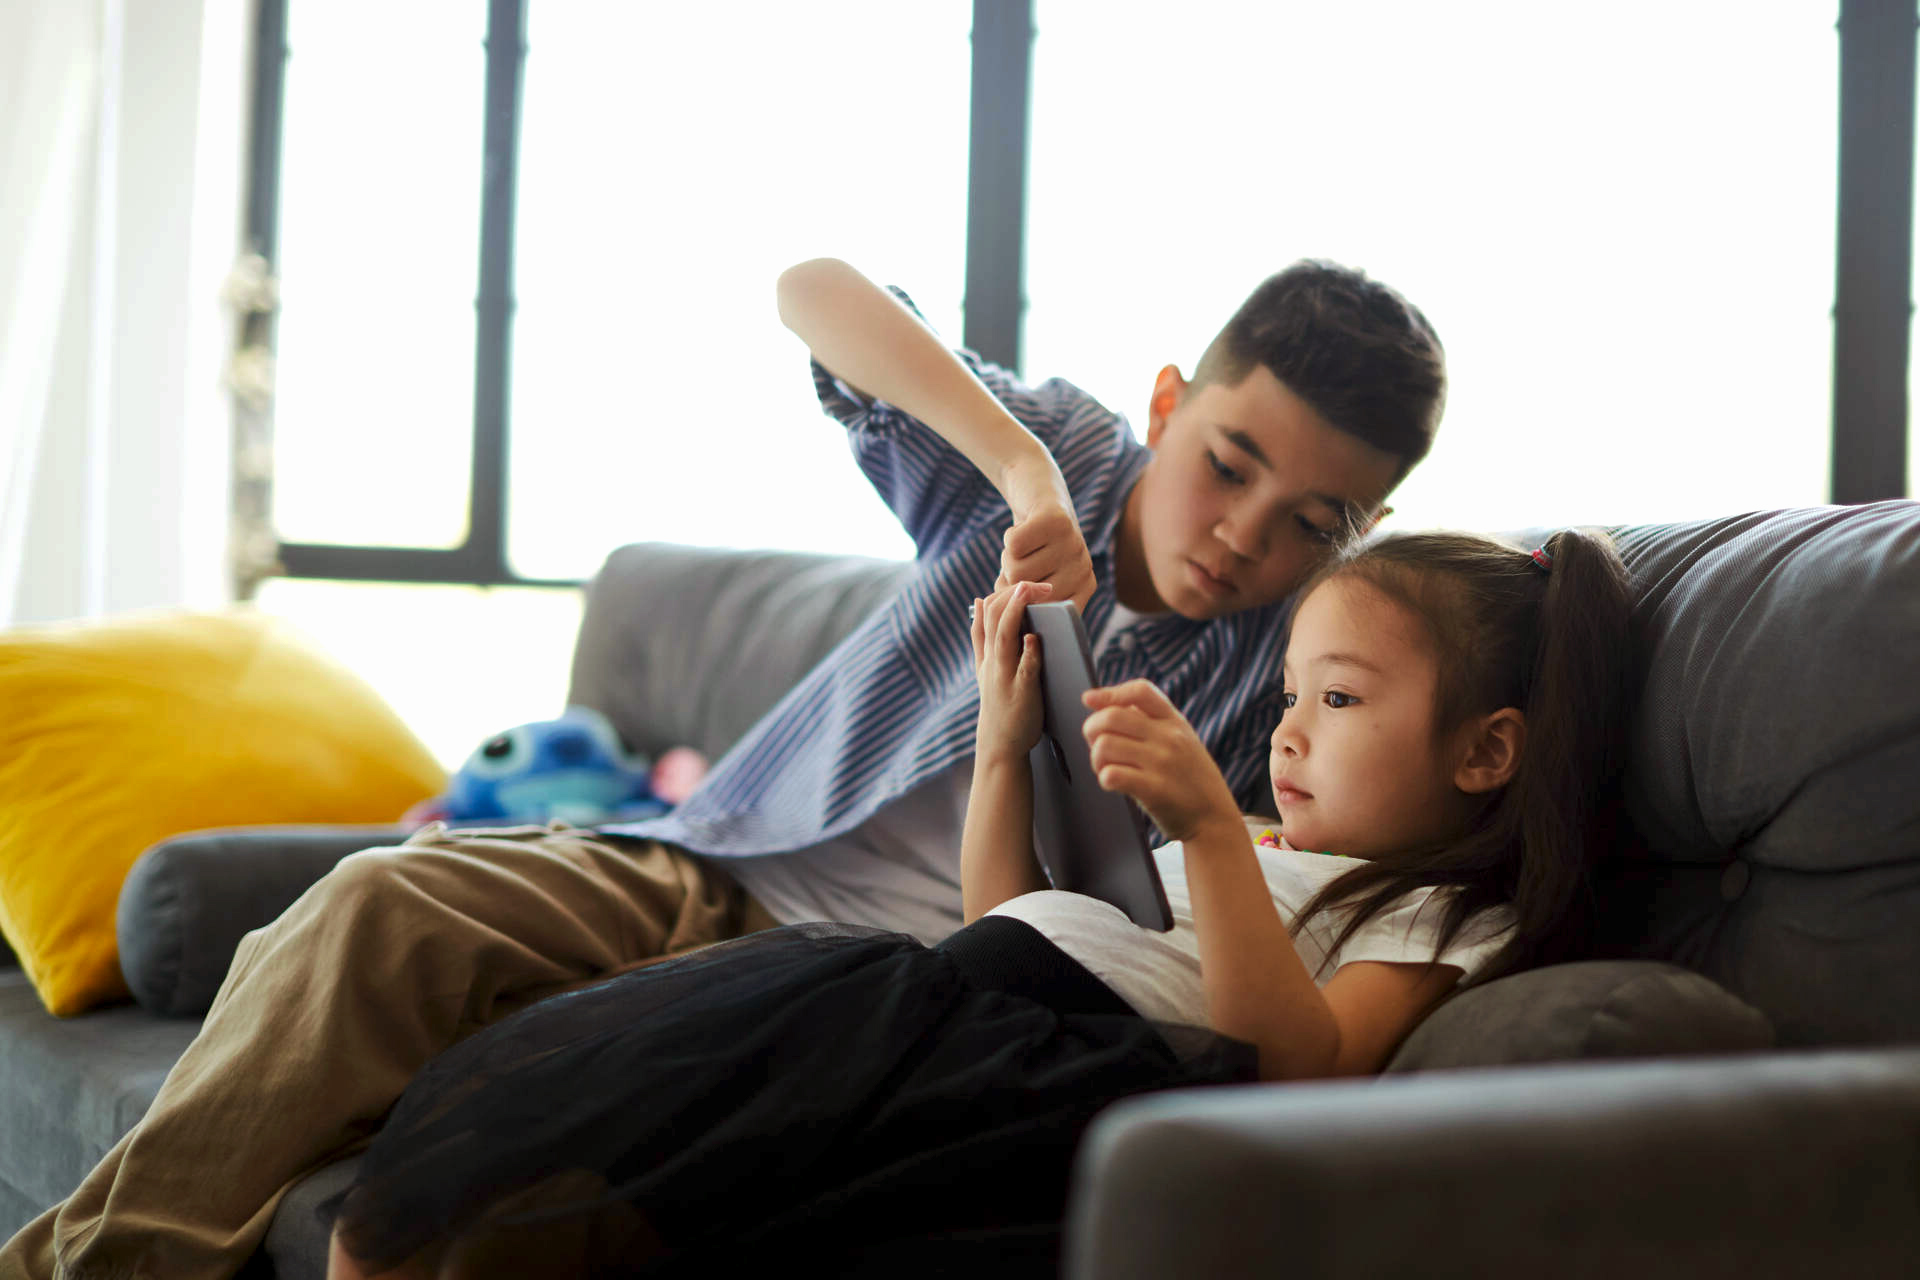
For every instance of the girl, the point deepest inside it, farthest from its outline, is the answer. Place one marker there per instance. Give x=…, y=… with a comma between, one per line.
x=854, y=1101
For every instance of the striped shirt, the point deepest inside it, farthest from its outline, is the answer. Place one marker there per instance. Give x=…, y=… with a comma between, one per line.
x=895, y=703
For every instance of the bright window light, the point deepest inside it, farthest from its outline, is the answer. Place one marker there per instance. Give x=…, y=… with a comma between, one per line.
x=674, y=159
x=378, y=262
x=1619, y=219
x=458, y=664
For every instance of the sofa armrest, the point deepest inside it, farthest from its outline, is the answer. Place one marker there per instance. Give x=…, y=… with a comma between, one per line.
x=189, y=900
x=688, y=646
x=1770, y=1164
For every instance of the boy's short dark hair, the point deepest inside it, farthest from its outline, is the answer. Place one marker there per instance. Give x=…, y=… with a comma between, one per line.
x=1359, y=353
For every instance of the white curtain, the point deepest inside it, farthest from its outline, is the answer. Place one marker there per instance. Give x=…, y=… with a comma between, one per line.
x=50, y=56
x=122, y=145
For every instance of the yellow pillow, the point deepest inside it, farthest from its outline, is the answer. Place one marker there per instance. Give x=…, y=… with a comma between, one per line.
x=118, y=733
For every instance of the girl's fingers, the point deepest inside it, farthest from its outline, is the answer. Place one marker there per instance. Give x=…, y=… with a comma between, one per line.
x=1029, y=669
x=1125, y=777
x=1139, y=693
x=1012, y=614
x=1107, y=753
x=1115, y=722
x=997, y=622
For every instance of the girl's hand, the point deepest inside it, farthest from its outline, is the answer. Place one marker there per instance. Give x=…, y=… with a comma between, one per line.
x=1007, y=665
x=1145, y=749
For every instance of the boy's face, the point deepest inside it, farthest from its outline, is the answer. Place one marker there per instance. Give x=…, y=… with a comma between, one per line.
x=1247, y=489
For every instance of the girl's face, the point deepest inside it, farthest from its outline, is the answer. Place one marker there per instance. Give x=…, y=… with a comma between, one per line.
x=1357, y=765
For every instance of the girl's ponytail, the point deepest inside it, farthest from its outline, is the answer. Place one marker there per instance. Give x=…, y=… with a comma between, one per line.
x=1576, y=710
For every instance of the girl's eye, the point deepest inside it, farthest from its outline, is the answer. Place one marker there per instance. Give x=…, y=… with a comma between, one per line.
x=1337, y=699
x=1288, y=698
x=1221, y=469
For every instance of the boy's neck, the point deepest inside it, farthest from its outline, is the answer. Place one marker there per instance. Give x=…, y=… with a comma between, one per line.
x=1132, y=583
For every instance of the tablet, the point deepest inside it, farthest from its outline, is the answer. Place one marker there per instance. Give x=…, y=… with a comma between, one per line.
x=1088, y=840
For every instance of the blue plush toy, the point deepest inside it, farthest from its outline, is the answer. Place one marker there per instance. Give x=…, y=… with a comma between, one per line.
x=575, y=769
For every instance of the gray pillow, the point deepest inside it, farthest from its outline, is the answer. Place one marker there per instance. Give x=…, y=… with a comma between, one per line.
x=189, y=900
x=1591, y=1009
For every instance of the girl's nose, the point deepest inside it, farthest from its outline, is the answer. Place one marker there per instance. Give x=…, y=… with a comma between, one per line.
x=1287, y=738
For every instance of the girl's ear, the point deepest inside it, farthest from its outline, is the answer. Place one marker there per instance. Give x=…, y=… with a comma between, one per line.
x=1169, y=388
x=1490, y=754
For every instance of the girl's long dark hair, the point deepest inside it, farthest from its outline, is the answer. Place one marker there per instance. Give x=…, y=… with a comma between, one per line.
x=1552, y=642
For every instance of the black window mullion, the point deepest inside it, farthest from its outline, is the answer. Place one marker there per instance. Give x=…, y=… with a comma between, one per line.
x=263, y=145
x=1872, y=307
x=494, y=306
x=995, y=296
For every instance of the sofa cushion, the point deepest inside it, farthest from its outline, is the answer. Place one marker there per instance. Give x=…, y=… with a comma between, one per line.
x=123, y=731
x=1771, y=769
x=297, y=1242
x=745, y=626
x=1591, y=1009
x=1780, y=715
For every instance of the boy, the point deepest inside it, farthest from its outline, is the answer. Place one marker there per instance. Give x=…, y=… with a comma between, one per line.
x=1313, y=402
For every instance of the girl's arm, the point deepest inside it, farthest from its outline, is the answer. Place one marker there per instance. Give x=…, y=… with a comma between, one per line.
x=996, y=845
x=871, y=341
x=1258, y=989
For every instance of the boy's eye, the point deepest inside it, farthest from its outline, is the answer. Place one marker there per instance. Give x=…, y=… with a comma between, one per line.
x=1314, y=531
x=1337, y=699
x=1221, y=469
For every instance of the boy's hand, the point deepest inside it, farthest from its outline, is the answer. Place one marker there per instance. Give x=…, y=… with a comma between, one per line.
x=1045, y=545
x=1007, y=665
x=1145, y=749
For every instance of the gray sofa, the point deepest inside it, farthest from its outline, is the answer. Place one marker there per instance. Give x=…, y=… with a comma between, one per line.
x=1723, y=1090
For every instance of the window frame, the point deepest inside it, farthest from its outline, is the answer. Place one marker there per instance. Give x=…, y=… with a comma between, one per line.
x=1873, y=257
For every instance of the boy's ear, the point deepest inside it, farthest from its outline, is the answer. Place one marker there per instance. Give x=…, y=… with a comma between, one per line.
x=1169, y=388
x=1490, y=755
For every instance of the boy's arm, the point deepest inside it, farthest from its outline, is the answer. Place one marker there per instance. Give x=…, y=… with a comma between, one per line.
x=996, y=845
x=872, y=342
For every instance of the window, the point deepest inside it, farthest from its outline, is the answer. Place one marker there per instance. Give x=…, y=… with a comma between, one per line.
x=1620, y=224
x=671, y=162
x=674, y=158
x=378, y=236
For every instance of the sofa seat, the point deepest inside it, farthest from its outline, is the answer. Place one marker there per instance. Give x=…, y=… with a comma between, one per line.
x=69, y=1087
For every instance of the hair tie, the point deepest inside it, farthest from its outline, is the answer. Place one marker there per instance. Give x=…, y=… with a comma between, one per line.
x=1542, y=557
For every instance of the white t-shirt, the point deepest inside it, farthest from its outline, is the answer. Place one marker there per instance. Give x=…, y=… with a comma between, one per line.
x=1159, y=973
x=900, y=869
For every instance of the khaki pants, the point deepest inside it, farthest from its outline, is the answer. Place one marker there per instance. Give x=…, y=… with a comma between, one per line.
x=327, y=1013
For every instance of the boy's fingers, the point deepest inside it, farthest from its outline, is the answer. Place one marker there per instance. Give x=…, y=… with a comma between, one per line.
x=1024, y=537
